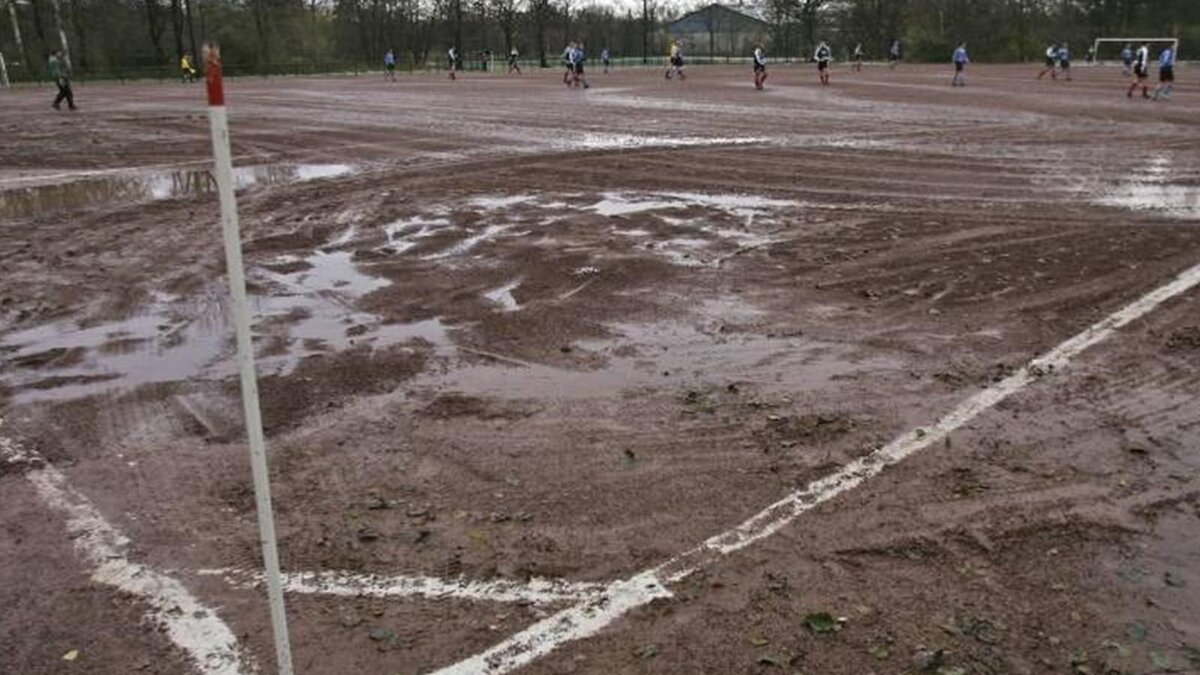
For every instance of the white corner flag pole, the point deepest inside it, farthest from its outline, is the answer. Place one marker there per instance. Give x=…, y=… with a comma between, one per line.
x=245, y=354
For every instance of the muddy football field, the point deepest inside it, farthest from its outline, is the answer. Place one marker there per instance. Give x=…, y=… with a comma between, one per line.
x=654, y=377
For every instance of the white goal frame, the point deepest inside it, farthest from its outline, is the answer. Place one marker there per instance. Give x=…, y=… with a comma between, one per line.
x=1134, y=42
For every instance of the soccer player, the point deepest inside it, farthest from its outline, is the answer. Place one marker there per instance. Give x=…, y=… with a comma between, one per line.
x=822, y=56
x=577, y=58
x=389, y=65
x=1051, y=63
x=605, y=58
x=567, y=55
x=512, y=61
x=961, y=60
x=452, y=58
x=1064, y=61
x=60, y=70
x=676, y=57
x=894, y=54
x=1141, y=70
x=187, y=72
x=858, y=57
x=1127, y=60
x=760, y=67
x=1166, y=74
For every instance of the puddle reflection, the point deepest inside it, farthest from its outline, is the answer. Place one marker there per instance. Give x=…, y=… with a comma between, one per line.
x=151, y=186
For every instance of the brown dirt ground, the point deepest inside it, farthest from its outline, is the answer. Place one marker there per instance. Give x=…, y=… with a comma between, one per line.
x=667, y=369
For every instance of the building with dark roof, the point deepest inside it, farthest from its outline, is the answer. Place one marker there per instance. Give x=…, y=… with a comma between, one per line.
x=719, y=30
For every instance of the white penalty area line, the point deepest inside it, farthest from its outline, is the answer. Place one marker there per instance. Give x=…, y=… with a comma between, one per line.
x=536, y=591
x=190, y=625
x=591, y=616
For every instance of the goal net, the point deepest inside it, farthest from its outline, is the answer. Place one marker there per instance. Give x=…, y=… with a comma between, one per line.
x=1108, y=50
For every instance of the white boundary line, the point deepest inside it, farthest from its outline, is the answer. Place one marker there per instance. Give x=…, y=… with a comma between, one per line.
x=192, y=626
x=619, y=597
x=536, y=591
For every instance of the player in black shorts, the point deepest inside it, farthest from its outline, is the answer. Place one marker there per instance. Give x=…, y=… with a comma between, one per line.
x=894, y=54
x=1166, y=74
x=1051, y=63
x=823, y=56
x=760, y=67
x=577, y=58
x=1141, y=70
x=676, y=60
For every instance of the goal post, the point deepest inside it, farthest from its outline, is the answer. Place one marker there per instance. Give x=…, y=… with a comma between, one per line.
x=1109, y=49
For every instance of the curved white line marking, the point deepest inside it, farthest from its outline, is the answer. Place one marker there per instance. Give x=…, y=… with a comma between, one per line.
x=193, y=627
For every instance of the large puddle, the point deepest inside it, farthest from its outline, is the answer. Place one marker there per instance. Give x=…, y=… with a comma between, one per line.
x=1153, y=189
x=137, y=187
x=304, y=311
x=671, y=354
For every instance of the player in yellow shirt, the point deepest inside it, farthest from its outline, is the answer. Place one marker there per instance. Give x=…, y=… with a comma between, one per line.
x=676, y=57
x=187, y=72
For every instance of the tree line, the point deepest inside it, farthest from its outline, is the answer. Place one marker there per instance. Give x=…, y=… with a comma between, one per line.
x=144, y=38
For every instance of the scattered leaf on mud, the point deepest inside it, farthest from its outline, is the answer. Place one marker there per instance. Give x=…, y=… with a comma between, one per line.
x=928, y=661
x=646, y=652
x=1133, y=576
x=1136, y=631
x=1173, y=580
x=952, y=670
x=1162, y=661
x=1192, y=654
x=769, y=661
x=822, y=622
x=1121, y=650
x=759, y=640
x=71, y=655
x=880, y=652
x=382, y=634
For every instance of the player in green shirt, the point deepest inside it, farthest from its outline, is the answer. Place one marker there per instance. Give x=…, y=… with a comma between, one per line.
x=60, y=71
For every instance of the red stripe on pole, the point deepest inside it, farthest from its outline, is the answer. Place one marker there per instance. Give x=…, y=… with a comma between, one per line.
x=212, y=75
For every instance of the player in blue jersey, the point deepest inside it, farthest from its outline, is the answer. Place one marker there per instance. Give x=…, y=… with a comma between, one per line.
x=961, y=60
x=1166, y=74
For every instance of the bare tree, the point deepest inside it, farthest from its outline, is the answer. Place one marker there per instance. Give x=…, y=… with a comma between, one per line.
x=62, y=31
x=80, y=36
x=506, y=13
x=16, y=26
x=154, y=25
x=540, y=11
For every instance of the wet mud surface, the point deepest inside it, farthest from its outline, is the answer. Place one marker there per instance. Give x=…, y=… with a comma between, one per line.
x=573, y=340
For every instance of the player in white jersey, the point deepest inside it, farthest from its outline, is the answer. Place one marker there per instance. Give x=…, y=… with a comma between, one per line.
x=760, y=67
x=1141, y=71
x=1051, y=63
x=823, y=56
x=569, y=73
